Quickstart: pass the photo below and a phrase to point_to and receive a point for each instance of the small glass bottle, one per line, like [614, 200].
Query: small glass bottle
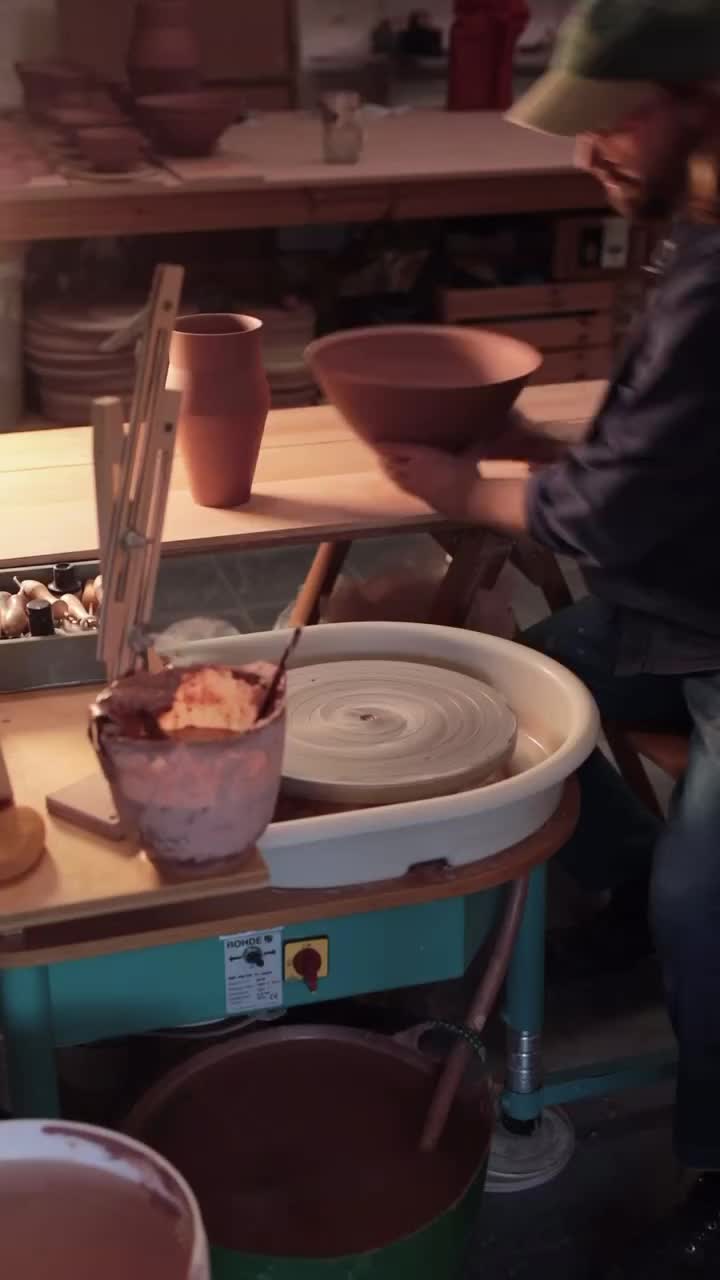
[343, 133]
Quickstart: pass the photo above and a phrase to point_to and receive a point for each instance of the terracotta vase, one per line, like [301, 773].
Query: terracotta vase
[216, 362]
[164, 55]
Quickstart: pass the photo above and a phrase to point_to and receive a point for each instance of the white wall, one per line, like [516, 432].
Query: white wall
[341, 27]
[333, 27]
[27, 30]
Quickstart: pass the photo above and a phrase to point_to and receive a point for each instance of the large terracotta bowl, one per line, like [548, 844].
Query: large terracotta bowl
[47, 81]
[426, 384]
[189, 124]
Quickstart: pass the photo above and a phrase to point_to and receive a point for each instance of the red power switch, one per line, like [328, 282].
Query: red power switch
[307, 965]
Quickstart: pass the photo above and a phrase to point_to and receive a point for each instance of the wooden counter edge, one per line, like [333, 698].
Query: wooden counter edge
[273, 908]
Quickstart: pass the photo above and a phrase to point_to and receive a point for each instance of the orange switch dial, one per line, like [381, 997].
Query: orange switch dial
[307, 965]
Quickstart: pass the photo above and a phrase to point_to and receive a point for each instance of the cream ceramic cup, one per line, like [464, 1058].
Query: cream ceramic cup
[80, 1202]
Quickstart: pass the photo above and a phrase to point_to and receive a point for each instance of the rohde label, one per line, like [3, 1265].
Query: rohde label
[253, 970]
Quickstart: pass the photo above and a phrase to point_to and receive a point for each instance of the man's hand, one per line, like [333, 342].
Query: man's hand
[520, 442]
[455, 485]
[443, 480]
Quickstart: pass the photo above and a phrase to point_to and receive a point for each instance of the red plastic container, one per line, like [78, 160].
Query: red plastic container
[482, 48]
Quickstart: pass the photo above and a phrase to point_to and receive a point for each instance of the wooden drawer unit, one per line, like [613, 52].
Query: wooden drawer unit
[461, 306]
[596, 329]
[573, 325]
[587, 365]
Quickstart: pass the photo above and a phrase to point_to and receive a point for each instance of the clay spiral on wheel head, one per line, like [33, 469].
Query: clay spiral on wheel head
[377, 732]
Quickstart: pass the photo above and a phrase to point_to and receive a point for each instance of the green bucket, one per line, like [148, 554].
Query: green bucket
[301, 1146]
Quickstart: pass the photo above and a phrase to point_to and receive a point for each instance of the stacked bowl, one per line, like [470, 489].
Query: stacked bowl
[287, 331]
[191, 123]
[48, 83]
[64, 352]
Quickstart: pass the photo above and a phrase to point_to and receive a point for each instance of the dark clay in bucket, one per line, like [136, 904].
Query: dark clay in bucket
[302, 1142]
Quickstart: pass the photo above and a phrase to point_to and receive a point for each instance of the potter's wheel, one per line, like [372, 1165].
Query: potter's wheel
[366, 732]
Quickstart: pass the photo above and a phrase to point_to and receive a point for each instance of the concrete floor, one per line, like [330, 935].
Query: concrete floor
[620, 1181]
[623, 1174]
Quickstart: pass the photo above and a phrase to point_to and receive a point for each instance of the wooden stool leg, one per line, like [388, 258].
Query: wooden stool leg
[631, 768]
[478, 561]
[542, 569]
[320, 582]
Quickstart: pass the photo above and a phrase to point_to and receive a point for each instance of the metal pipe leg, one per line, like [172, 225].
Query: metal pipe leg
[27, 1026]
[522, 1102]
[531, 1145]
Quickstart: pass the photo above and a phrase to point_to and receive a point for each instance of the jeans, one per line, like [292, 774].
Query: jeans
[618, 840]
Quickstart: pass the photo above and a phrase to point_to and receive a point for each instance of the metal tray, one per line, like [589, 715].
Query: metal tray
[46, 662]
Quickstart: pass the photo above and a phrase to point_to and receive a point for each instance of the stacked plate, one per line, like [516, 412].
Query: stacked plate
[63, 349]
[287, 332]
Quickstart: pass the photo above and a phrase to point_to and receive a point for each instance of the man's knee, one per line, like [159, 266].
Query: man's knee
[685, 898]
[580, 636]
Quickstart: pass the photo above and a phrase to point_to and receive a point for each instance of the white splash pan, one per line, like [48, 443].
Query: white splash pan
[558, 729]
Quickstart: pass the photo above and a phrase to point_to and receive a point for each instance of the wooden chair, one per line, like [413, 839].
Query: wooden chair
[631, 746]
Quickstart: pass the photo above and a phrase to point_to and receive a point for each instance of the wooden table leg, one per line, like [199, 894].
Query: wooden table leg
[479, 558]
[542, 569]
[319, 583]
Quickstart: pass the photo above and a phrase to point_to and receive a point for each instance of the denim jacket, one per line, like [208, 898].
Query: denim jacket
[637, 504]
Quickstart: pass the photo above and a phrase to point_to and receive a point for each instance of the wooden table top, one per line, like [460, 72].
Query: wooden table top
[315, 480]
[83, 879]
[270, 172]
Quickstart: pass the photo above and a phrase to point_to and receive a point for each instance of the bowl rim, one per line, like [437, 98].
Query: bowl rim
[183, 325]
[534, 356]
[174, 101]
[128, 132]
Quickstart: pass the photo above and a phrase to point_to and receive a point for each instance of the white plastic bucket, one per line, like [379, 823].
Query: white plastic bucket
[146, 1223]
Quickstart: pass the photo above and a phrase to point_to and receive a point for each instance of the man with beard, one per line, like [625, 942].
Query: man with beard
[636, 82]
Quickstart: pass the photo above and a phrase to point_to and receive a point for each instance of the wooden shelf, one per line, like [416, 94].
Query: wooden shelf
[314, 479]
[421, 164]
